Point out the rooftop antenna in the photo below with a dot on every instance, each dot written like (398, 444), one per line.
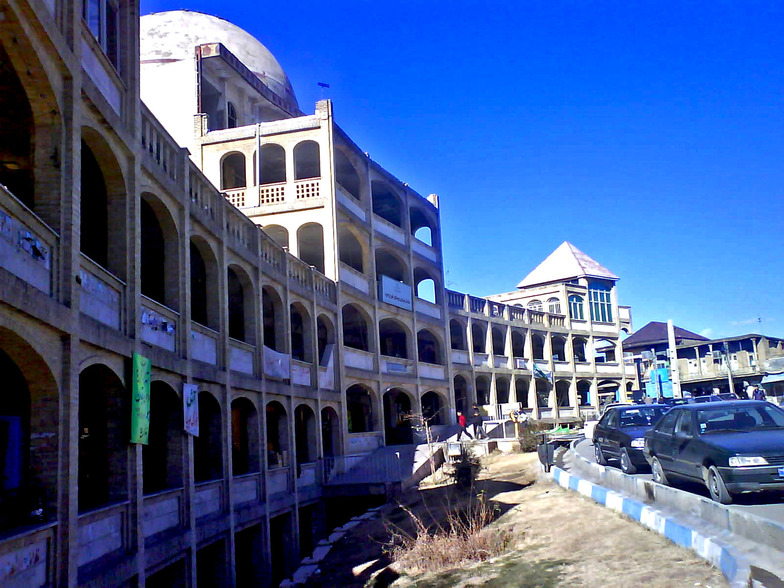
(323, 85)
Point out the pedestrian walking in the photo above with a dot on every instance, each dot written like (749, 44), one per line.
(476, 421)
(759, 394)
(461, 420)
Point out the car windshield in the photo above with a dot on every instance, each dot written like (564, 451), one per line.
(641, 416)
(739, 418)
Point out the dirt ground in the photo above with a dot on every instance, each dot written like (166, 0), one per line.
(558, 538)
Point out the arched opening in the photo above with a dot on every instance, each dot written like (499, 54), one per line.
(307, 161)
(392, 337)
(542, 393)
(277, 435)
(29, 418)
(233, 171)
(310, 245)
(208, 446)
(535, 305)
(521, 391)
(461, 393)
(278, 234)
(325, 335)
(273, 164)
(457, 336)
(559, 348)
(391, 266)
(604, 351)
(562, 393)
(159, 253)
(422, 227)
(397, 417)
(244, 437)
(301, 333)
(103, 205)
(359, 408)
(537, 343)
(272, 312)
(204, 272)
(386, 203)
(499, 341)
(241, 305)
(355, 328)
(425, 286)
(103, 438)
(478, 338)
(305, 434)
(433, 408)
(482, 390)
(330, 432)
(501, 390)
(350, 250)
(584, 392)
(16, 135)
(346, 174)
(162, 457)
(578, 348)
(429, 348)
(518, 343)
(553, 306)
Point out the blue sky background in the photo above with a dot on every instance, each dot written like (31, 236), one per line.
(648, 134)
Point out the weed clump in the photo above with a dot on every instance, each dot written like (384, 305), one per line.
(464, 536)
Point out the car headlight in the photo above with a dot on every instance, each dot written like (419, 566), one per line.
(638, 443)
(740, 461)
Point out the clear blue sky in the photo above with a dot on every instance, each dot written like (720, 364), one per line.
(648, 134)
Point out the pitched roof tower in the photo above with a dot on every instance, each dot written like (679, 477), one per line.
(566, 263)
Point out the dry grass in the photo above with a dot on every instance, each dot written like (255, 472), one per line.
(462, 537)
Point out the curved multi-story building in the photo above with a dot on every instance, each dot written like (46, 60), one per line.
(211, 302)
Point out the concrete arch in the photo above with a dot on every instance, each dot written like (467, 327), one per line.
(305, 433)
(457, 335)
(204, 277)
(434, 407)
(273, 318)
(387, 203)
(307, 160)
(104, 203)
(331, 439)
(427, 286)
(430, 347)
(391, 264)
(310, 245)
(162, 457)
(160, 244)
(347, 175)
(462, 391)
(394, 338)
(356, 325)
(276, 421)
(279, 234)
(301, 329)
(361, 408)
(399, 405)
(424, 227)
(242, 304)
(352, 248)
(233, 170)
(325, 337)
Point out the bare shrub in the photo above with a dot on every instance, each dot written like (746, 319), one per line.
(529, 435)
(463, 537)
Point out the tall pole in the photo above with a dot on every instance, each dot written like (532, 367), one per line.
(726, 347)
(675, 372)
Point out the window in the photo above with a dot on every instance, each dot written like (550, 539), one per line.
(554, 306)
(576, 307)
(601, 305)
(103, 20)
(535, 305)
(231, 115)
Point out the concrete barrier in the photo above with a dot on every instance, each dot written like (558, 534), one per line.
(733, 521)
(732, 565)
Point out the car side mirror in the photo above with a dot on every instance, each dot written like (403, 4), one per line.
(683, 436)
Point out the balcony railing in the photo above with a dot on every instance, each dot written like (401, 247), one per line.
(241, 357)
(162, 511)
(26, 558)
(162, 149)
(204, 343)
(455, 299)
(28, 247)
(102, 532)
(158, 324)
(247, 488)
(102, 296)
(363, 469)
(208, 499)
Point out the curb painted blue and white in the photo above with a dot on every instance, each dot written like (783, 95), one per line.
(733, 566)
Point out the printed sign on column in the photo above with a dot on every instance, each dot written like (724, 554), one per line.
(140, 402)
(190, 403)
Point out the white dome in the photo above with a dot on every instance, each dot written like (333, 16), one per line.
(172, 36)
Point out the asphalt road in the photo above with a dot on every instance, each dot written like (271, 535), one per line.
(769, 505)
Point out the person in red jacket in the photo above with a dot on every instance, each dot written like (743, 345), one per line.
(461, 420)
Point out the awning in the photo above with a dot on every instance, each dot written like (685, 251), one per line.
(770, 378)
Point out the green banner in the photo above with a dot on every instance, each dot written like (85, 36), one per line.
(140, 404)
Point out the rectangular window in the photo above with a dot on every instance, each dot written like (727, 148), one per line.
(601, 305)
(103, 19)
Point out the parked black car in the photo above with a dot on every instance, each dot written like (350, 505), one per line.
(619, 434)
(732, 447)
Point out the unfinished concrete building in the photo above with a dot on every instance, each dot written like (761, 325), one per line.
(269, 271)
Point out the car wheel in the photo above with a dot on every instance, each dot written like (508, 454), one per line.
(627, 467)
(600, 459)
(716, 487)
(658, 472)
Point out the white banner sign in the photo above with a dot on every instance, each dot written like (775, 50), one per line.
(395, 293)
(277, 365)
(190, 404)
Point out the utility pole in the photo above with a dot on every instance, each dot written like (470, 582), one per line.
(725, 346)
(675, 372)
